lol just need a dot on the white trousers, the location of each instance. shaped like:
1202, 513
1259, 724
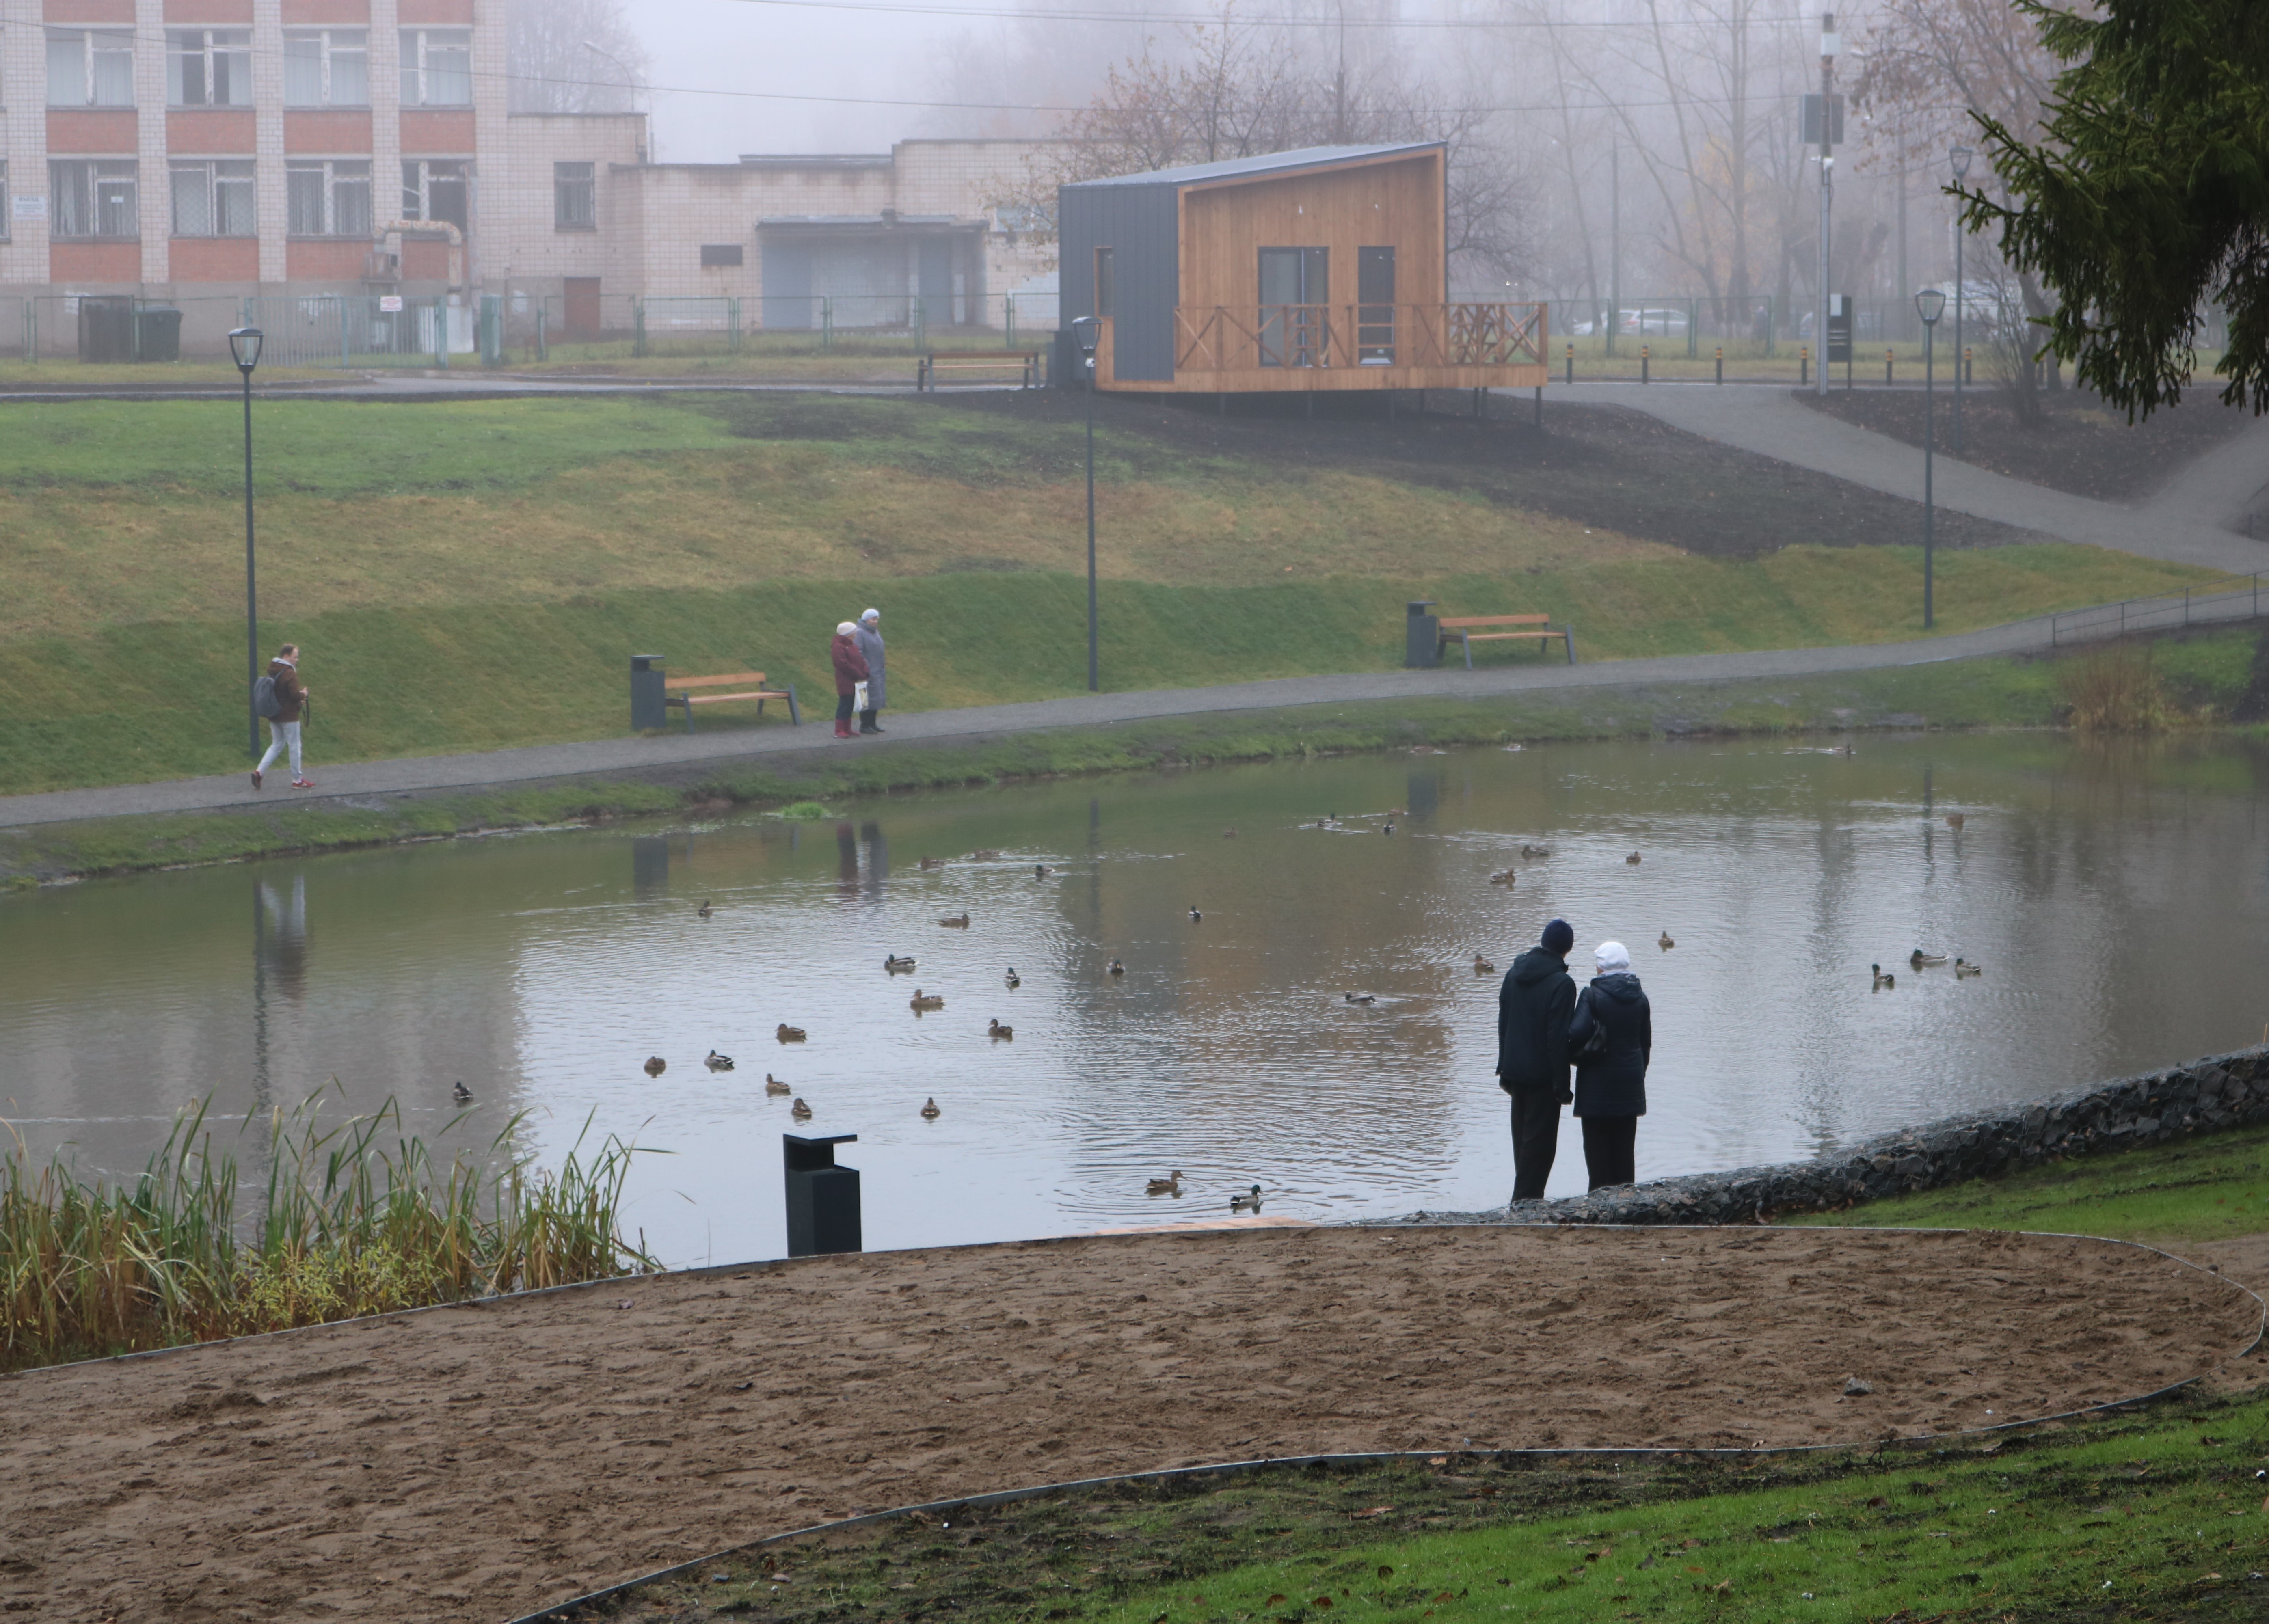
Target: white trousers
283, 735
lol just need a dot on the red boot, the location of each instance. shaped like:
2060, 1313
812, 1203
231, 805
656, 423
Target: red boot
843, 731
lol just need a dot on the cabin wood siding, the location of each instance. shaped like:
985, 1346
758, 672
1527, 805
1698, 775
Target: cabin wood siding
1137, 223
1392, 203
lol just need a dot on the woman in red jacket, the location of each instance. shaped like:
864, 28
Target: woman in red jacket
850, 671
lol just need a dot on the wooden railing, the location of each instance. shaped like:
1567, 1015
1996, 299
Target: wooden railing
1232, 338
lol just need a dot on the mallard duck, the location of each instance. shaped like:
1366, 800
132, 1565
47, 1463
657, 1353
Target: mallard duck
460, 1093
1633, 858
1964, 970
788, 1034
1013, 979
930, 1113
1118, 969
1532, 853
1040, 871
922, 1000
801, 1111
1918, 959
1245, 1203
1954, 820
1483, 967
1882, 983
1194, 915
1360, 998
998, 1032
1171, 1185
1388, 828
1503, 876
705, 910
717, 1062
898, 963
932, 862
986, 856
959, 921
1664, 942
655, 1065
773, 1085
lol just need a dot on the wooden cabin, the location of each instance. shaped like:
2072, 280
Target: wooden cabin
1322, 268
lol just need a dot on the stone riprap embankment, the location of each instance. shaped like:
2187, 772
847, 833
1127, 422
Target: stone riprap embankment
2223, 1091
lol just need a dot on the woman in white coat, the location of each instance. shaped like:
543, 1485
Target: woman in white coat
870, 645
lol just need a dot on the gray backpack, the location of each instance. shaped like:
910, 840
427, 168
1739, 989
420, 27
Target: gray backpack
264, 702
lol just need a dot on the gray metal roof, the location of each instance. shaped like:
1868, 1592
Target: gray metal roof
1267, 163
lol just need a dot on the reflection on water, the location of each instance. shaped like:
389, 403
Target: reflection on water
2116, 897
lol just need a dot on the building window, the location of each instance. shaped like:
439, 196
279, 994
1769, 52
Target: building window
437, 188
1105, 293
90, 67
574, 197
208, 67
437, 67
326, 197
718, 255
214, 198
327, 68
94, 198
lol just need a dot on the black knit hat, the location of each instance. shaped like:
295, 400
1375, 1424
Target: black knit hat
1559, 937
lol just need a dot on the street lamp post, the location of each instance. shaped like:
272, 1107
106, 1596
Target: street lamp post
244, 344
1958, 158
1087, 330
1930, 303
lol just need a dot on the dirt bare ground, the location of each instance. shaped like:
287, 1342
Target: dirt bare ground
474, 1464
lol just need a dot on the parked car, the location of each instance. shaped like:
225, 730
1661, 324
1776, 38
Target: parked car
1655, 321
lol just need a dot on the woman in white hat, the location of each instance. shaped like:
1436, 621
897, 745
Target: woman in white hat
1611, 1036
870, 648
850, 671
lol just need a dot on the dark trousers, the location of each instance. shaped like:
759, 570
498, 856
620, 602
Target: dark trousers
843, 704
1610, 1150
1535, 1141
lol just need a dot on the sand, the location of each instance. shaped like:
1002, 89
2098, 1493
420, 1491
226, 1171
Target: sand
474, 1464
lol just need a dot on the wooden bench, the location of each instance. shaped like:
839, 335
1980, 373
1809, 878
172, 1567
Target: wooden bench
677, 691
1027, 364
1462, 628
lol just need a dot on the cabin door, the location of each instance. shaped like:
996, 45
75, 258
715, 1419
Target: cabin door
1296, 290
1374, 292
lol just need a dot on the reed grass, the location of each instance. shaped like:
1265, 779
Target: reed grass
353, 1218
2117, 690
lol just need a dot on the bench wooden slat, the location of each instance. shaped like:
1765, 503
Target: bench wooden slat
675, 691
1496, 620
761, 693
713, 681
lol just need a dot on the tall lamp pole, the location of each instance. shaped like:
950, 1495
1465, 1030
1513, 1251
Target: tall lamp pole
1830, 42
244, 345
1930, 303
1959, 158
1087, 330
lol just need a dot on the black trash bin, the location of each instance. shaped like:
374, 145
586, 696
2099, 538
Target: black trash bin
648, 710
1422, 645
158, 329
106, 329
822, 1198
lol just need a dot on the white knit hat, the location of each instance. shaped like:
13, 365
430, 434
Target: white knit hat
872, 614
1611, 957
845, 630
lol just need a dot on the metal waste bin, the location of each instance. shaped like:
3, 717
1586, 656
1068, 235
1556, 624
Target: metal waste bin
106, 329
158, 332
648, 711
1422, 646
822, 1198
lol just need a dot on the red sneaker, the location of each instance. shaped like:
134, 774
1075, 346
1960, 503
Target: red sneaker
255, 777
303, 783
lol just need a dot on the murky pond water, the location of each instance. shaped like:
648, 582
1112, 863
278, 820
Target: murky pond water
2118, 898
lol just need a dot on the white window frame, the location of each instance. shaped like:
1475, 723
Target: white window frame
216, 171
417, 202
98, 171
416, 77
330, 44
206, 44
329, 169
114, 39
590, 181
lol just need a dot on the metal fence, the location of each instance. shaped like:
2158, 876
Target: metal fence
2240, 598
619, 327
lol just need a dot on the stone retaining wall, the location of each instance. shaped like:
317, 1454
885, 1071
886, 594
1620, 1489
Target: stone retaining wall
2220, 1092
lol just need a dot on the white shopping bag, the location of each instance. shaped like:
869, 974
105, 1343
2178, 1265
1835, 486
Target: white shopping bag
858, 697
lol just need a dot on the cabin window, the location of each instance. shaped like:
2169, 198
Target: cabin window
1296, 285
1105, 302
1374, 293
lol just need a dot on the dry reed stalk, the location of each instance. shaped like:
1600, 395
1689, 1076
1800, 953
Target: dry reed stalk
2116, 690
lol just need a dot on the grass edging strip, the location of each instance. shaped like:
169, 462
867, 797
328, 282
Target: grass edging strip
557, 1612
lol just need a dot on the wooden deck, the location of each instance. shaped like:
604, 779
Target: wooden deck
1299, 348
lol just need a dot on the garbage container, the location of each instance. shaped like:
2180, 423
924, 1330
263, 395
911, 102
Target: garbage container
648, 711
1423, 645
158, 330
106, 329
822, 1198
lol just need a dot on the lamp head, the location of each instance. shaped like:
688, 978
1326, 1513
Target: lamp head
1831, 43
1086, 332
1930, 303
244, 344
1960, 158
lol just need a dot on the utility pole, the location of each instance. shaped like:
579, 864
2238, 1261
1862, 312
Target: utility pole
1828, 46
1614, 241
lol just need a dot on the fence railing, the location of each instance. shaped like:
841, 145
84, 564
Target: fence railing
1225, 338
2240, 598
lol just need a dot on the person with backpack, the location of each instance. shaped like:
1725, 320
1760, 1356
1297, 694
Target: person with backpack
1532, 1009
281, 697
850, 671
1612, 1037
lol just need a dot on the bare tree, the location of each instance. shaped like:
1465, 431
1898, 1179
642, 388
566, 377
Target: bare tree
572, 56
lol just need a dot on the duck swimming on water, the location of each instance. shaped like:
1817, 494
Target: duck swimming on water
717, 1062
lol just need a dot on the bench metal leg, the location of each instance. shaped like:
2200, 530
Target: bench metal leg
795, 717
688, 712
1468, 641
1570, 635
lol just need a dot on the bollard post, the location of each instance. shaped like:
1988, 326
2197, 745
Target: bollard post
1643, 352
822, 1198
1887, 366
1965, 366
1803, 366
1540, 405
1572, 363
1721, 362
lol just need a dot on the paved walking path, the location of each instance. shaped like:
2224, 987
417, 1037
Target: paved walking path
625, 758
2182, 522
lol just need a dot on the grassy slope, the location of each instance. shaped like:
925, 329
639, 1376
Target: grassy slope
472, 574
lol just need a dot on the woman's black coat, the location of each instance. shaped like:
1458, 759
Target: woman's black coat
1613, 1081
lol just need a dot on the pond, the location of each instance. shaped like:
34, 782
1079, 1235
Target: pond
2116, 895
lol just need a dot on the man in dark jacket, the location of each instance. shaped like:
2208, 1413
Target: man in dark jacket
1533, 1011
1611, 1081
